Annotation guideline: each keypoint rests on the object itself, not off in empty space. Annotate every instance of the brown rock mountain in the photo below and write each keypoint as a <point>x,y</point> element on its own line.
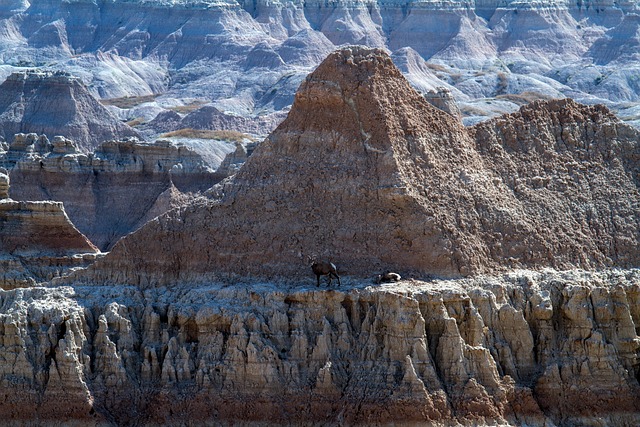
<point>365,172</point>
<point>574,170</point>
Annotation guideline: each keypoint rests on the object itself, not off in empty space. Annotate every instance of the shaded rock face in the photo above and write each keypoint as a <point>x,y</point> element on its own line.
<point>366,173</point>
<point>37,241</point>
<point>56,104</point>
<point>112,191</point>
<point>524,349</point>
<point>234,161</point>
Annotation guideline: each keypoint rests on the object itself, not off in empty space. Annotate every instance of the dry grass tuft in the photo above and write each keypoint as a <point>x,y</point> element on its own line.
<point>188,108</point>
<point>468,110</point>
<point>436,67</point>
<point>129,101</point>
<point>136,122</point>
<point>225,135</point>
<point>524,97</point>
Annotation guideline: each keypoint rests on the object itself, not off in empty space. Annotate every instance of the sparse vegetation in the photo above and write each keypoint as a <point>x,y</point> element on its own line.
<point>225,135</point>
<point>469,111</point>
<point>128,101</point>
<point>187,108</point>
<point>136,122</point>
<point>436,67</point>
<point>524,97</point>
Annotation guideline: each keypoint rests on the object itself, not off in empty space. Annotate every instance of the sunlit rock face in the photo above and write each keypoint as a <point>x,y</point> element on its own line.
<point>522,349</point>
<point>247,58</point>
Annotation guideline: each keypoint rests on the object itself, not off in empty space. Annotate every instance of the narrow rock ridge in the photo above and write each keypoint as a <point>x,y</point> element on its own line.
<point>366,173</point>
<point>111,191</point>
<point>523,349</point>
<point>56,104</point>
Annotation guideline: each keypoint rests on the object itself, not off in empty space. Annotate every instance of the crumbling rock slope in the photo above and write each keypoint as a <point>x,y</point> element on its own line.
<point>111,191</point>
<point>365,172</point>
<point>575,171</point>
<point>526,349</point>
<point>56,104</point>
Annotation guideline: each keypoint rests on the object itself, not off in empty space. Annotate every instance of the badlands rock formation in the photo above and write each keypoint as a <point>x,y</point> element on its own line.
<point>365,172</point>
<point>525,349</point>
<point>110,192</point>
<point>248,57</point>
<point>37,241</point>
<point>56,104</point>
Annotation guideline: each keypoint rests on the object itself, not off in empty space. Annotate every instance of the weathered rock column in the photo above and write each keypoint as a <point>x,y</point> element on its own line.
<point>4,185</point>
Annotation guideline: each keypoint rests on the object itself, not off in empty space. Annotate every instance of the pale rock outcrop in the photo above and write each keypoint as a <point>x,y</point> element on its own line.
<point>4,185</point>
<point>525,348</point>
<point>441,98</point>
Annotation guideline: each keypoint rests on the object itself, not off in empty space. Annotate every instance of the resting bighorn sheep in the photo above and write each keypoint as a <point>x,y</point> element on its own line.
<point>388,277</point>
<point>324,268</point>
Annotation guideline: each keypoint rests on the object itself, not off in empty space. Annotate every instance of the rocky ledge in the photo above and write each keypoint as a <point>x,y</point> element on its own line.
<point>527,348</point>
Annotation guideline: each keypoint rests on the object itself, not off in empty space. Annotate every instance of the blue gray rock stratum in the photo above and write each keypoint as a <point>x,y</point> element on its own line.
<point>248,57</point>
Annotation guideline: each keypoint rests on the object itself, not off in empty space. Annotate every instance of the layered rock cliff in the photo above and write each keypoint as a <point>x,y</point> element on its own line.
<point>37,241</point>
<point>365,172</point>
<point>56,104</point>
<point>526,348</point>
<point>111,191</point>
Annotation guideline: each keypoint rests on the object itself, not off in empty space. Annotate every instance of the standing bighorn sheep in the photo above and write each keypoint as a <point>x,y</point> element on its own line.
<point>323,268</point>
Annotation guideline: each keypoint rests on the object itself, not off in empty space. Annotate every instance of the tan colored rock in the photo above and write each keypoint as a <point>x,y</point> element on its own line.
<point>38,243</point>
<point>441,353</point>
<point>39,228</point>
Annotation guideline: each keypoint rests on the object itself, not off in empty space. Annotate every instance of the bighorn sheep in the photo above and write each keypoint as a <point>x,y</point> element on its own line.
<point>323,268</point>
<point>388,277</point>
